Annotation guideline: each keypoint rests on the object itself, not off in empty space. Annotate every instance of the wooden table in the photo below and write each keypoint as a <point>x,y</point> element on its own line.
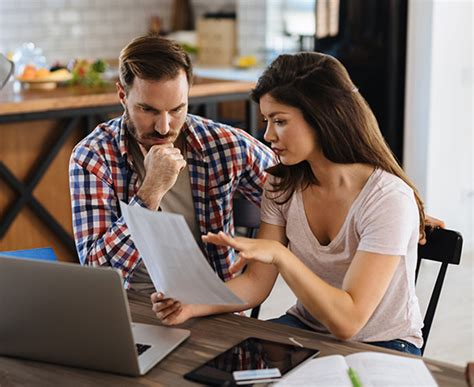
<point>209,336</point>
<point>38,130</point>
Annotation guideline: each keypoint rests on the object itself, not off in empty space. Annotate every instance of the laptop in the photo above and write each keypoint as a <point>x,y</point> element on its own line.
<point>78,316</point>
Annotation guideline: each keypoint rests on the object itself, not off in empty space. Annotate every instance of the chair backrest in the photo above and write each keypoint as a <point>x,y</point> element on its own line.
<point>442,246</point>
<point>247,216</point>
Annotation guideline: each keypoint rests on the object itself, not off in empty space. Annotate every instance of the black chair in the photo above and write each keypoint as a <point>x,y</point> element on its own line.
<point>246,222</point>
<point>246,216</point>
<point>442,246</point>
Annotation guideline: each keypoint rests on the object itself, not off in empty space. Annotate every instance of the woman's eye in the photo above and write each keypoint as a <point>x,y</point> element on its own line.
<point>274,121</point>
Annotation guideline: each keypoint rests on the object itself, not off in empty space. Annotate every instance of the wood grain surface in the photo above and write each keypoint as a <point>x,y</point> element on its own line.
<point>209,337</point>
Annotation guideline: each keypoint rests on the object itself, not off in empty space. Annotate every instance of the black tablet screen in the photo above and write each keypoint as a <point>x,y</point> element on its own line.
<point>250,354</point>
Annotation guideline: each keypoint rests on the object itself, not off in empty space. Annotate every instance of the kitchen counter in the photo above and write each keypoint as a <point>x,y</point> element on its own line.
<point>39,129</point>
<point>13,101</point>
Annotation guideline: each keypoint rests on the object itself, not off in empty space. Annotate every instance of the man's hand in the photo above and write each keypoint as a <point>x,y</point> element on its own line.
<point>162,166</point>
<point>170,311</point>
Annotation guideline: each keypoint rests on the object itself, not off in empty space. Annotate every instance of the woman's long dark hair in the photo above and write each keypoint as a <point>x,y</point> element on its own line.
<point>347,131</point>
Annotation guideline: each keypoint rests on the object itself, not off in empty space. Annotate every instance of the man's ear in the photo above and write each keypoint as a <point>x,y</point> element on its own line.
<point>121,93</point>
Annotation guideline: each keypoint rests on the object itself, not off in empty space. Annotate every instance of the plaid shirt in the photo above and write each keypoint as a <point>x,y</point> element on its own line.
<point>221,160</point>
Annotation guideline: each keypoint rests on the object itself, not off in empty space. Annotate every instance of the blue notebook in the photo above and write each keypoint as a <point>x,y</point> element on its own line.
<point>44,253</point>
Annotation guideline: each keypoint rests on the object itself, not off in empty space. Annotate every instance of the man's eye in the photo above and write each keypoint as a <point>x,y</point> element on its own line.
<point>264,120</point>
<point>178,110</point>
<point>145,109</point>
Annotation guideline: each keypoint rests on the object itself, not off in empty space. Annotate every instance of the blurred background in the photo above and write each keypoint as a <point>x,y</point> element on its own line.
<point>411,59</point>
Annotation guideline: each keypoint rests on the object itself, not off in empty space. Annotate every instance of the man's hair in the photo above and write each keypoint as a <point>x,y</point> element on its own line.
<point>152,58</point>
<point>346,129</point>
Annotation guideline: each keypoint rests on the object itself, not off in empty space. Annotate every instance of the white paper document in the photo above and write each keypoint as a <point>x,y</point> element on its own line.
<point>374,369</point>
<point>173,258</point>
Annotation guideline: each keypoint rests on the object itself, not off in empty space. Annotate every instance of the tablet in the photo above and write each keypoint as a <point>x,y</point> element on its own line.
<point>253,360</point>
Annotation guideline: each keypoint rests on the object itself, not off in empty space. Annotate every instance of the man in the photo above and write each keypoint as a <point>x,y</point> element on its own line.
<point>159,157</point>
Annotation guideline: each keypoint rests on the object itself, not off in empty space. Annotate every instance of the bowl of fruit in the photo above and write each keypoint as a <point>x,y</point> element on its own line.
<point>43,78</point>
<point>87,72</point>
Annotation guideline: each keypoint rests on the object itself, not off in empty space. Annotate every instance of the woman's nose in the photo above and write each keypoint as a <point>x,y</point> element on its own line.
<point>269,135</point>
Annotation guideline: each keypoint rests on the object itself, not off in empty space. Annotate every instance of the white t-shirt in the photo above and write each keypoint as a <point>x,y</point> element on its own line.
<point>383,219</point>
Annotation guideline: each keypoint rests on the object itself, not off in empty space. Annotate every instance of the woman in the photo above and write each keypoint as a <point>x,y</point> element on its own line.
<point>340,220</point>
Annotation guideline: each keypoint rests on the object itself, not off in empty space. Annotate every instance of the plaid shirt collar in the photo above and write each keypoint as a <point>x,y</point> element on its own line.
<point>188,130</point>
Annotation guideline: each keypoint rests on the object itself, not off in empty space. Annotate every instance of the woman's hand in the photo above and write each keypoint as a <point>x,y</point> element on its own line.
<point>262,250</point>
<point>170,311</point>
<point>433,223</point>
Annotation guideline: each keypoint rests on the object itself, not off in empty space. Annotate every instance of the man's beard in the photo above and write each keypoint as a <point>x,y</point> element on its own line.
<point>132,131</point>
<point>130,125</point>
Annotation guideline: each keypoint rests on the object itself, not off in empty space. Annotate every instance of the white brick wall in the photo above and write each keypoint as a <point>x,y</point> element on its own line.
<point>67,29</point>
<point>251,26</point>
<point>261,29</point>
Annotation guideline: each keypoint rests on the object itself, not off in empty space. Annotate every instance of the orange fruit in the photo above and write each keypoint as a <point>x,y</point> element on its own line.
<point>29,72</point>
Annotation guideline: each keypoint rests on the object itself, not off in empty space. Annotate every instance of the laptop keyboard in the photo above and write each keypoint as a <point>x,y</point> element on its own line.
<point>142,348</point>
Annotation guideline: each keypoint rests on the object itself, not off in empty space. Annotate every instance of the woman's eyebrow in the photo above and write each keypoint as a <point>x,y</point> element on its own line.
<point>273,114</point>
